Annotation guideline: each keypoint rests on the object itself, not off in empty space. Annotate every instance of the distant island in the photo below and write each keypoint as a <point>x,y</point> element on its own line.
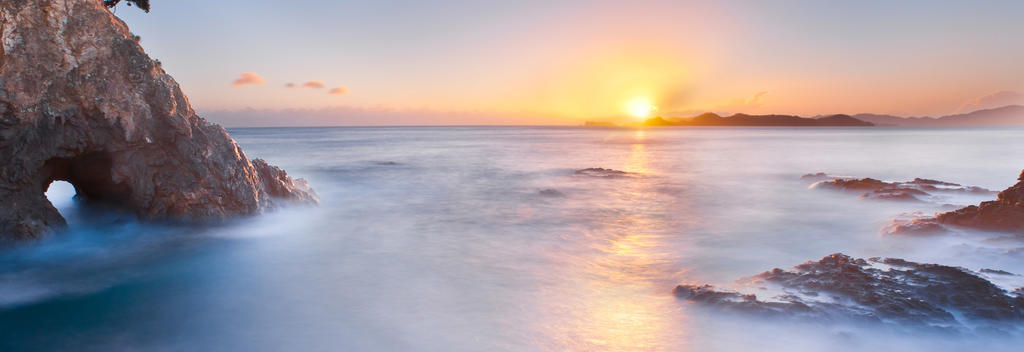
<point>1010,115</point>
<point>711,119</point>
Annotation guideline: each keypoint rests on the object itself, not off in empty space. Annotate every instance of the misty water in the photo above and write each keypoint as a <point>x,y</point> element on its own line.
<point>484,238</point>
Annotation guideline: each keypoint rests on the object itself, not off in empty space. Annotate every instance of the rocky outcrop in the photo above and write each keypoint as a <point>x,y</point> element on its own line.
<point>81,101</point>
<point>1006,213</point>
<point>841,288</point>
<point>919,189</point>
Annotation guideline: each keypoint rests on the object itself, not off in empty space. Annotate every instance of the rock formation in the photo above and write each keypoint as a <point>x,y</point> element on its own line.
<point>916,190</point>
<point>1006,213</point>
<point>81,101</point>
<point>841,288</point>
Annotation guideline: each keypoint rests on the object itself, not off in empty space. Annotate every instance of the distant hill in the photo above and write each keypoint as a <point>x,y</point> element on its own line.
<point>711,119</point>
<point>1011,115</point>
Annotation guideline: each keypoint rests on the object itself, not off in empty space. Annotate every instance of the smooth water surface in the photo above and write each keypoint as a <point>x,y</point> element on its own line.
<point>484,238</point>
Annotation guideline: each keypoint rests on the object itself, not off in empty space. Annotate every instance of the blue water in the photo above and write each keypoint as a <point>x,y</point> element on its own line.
<point>440,239</point>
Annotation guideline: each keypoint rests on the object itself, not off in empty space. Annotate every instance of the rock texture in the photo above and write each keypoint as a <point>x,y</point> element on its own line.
<point>81,101</point>
<point>841,288</point>
<point>916,190</point>
<point>1006,213</point>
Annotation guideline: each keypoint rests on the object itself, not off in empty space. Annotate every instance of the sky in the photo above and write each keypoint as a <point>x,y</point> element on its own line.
<point>320,62</point>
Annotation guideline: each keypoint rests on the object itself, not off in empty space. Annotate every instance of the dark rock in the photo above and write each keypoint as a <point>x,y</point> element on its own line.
<point>82,102</point>
<point>915,190</point>
<point>550,192</point>
<point>839,287</point>
<point>895,193</point>
<point>853,184</point>
<point>601,172</point>
<point>925,181</point>
<point>1006,213</point>
<point>815,176</point>
<point>996,272</point>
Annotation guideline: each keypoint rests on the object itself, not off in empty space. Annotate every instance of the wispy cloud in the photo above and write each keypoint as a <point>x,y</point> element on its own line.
<point>994,100</point>
<point>289,85</point>
<point>248,78</point>
<point>743,104</point>
<point>339,90</point>
<point>313,84</point>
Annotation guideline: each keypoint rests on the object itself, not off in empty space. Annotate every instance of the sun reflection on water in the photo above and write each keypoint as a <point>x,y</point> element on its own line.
<point>623,276</point>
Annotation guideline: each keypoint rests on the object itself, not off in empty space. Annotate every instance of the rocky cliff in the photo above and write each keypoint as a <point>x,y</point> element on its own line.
<point>81,101</point>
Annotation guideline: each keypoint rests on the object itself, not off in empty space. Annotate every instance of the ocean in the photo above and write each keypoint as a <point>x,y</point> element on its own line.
<point>489,239</point>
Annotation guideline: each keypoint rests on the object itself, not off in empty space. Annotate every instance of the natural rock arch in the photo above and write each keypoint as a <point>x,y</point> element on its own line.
<point>91,176</point>
<point>81,101</point>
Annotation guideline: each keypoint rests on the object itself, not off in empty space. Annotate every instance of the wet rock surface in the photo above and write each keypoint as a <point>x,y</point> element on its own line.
<point>918,189</point>
<point>81,101</point>
<point>842,288</point>
<point>1006,213</point>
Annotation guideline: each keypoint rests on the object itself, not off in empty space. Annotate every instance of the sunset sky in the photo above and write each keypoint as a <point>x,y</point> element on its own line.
<point>563,62</point>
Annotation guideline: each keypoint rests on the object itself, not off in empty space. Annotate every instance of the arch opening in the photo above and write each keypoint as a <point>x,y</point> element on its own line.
<point>62,195</point>
<point>91,178</point>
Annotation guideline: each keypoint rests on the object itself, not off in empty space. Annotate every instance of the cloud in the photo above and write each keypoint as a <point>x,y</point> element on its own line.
<point>289,85</point>
<point>313,84</point>
<point>994,100</point>
<point>744,104</point>
<point>247,79</point>
<point>339,90</point>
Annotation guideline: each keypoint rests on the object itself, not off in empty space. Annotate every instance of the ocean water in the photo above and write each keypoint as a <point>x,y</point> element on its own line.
<point>485,239</point>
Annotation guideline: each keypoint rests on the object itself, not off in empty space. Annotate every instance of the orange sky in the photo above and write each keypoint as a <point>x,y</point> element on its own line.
<point>564,62</point>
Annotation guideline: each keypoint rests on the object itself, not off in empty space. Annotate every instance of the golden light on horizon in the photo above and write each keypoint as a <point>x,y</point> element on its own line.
<point>640,107</point>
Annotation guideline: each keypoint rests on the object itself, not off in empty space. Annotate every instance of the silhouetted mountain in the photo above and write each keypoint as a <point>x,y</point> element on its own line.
<point>710,119</point>
<point>1010,115</point>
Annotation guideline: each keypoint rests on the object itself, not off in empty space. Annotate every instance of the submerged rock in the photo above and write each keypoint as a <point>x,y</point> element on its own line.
<point>601,172</point>
<point>550,192</point>
<point>815,176</point>
<point>839,287</point>
<point>81,101</point>
<point>916,190</point>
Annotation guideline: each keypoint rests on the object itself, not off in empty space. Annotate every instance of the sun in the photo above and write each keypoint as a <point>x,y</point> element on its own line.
<point>640,107</point>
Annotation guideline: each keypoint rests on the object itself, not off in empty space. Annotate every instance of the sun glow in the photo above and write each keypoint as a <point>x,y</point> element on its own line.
<point>640,107</point>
